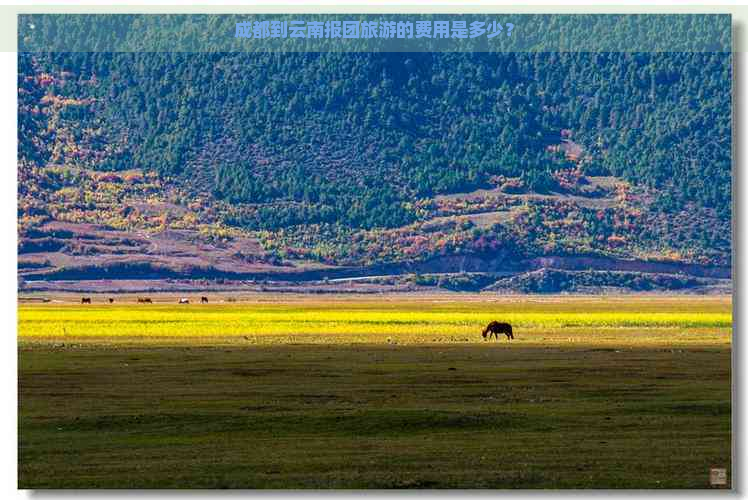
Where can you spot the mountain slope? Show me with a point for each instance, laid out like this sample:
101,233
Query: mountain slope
316,161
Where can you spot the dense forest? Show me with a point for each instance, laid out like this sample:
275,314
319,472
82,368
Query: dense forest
292,127
329,155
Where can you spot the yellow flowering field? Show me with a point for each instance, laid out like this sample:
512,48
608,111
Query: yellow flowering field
637,320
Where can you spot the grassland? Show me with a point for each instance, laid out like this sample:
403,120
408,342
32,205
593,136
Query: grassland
352,393
635,321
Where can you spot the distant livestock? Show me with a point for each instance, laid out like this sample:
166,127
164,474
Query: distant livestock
495,328
144,300
184,301
203,300
111,300
86,300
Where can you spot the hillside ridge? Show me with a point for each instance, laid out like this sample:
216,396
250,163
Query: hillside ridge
361,164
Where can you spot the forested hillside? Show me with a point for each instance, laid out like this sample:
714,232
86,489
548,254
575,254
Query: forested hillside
366,159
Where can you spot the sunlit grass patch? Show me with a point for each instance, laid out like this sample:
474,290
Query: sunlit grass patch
375,322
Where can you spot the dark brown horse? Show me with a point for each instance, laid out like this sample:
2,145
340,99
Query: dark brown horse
495,328
203,300
86,300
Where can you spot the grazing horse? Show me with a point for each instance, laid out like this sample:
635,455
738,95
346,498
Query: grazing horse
495,328
111,300
184,301
203,300
144,300
86,300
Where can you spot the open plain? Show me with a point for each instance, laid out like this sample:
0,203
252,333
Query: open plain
387,392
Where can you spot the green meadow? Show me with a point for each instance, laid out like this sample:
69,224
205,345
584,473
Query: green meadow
617,392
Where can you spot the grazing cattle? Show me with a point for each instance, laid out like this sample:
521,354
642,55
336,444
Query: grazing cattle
111,300
144,300
203,300
184,301
495,328
86,300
